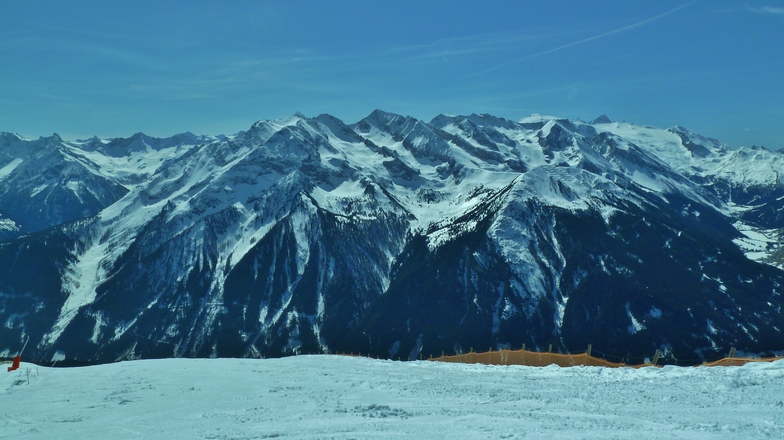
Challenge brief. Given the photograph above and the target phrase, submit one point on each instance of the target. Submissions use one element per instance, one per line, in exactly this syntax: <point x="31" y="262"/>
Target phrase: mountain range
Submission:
<point x="392" y="237"/>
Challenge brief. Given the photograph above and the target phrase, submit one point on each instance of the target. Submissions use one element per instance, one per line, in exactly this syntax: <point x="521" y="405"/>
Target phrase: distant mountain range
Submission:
<point x="392" y="237"/>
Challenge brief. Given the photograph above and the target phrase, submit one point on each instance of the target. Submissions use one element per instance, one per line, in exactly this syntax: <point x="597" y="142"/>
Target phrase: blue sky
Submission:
<point x="111" y="69"/>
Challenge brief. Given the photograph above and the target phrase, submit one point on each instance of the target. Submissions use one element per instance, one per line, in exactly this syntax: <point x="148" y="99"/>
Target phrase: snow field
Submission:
<point x="348" y="397"/>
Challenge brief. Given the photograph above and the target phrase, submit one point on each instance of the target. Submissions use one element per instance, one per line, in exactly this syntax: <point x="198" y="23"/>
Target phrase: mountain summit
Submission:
<point x="392" y="237"/>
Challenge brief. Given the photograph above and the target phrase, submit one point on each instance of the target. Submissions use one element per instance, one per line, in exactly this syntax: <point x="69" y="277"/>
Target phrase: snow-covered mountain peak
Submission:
<point x="405" y="135"/>
<point x="602" y="119"/>
<point x="334" y="127"/>
<point x="381" y="123"/>
<point x="536" y="118"/>
<point x="380" y="118"/>
<point x="276" y="124"/>
<point x="93" y="143"/>
<point x="12" y="146"/>
<point x="261" y="131"/>
<point x="752" y="167"/>
<point x="474" y="119"/>
<point x="7" y="137"/>
<point x="698" y="146"/>
<point x="302" y="234"/>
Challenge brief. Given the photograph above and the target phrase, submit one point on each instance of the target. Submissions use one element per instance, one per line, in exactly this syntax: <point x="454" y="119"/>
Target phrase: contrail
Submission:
<point x="589" y="39"/>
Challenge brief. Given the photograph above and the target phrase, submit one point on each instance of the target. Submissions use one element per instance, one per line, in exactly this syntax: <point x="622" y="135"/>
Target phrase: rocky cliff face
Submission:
<point x="393" y="237"/>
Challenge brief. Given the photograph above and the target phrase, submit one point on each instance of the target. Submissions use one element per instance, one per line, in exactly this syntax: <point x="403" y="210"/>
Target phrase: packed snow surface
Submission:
<point x="346" y="397"/>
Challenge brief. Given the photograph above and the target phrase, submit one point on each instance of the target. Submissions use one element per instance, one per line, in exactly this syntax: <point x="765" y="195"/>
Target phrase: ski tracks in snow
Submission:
<point x="349" y="397"/>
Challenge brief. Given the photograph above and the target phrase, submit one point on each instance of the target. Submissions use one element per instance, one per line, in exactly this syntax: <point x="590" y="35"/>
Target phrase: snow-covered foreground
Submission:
<point x="344" y="397"/>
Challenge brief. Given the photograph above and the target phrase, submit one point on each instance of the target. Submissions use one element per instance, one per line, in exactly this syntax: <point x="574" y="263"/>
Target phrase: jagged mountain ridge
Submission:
<point x="397" y="237"/>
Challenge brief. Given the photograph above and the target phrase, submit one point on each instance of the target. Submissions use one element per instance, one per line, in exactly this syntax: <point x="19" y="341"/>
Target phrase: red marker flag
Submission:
<point x="15" y="365"/>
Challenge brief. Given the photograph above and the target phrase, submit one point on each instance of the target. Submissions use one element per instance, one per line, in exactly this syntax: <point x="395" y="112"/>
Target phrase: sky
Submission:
<point x="111" y="69"/>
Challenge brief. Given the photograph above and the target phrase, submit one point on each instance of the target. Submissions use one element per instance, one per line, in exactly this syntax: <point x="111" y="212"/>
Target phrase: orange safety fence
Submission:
<point x="540" y="359"/>
<point x="737" y="362"/>
<point x="15" y="364"/>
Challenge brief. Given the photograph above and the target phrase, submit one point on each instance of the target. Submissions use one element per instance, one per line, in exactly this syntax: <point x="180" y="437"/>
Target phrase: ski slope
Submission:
<point x="346" y="397"/>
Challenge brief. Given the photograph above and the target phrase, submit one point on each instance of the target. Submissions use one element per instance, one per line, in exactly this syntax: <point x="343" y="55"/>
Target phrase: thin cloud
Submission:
<point x="767" y="10"/>
<point x="458" y="46"/>
<point x="589" y="39"/>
